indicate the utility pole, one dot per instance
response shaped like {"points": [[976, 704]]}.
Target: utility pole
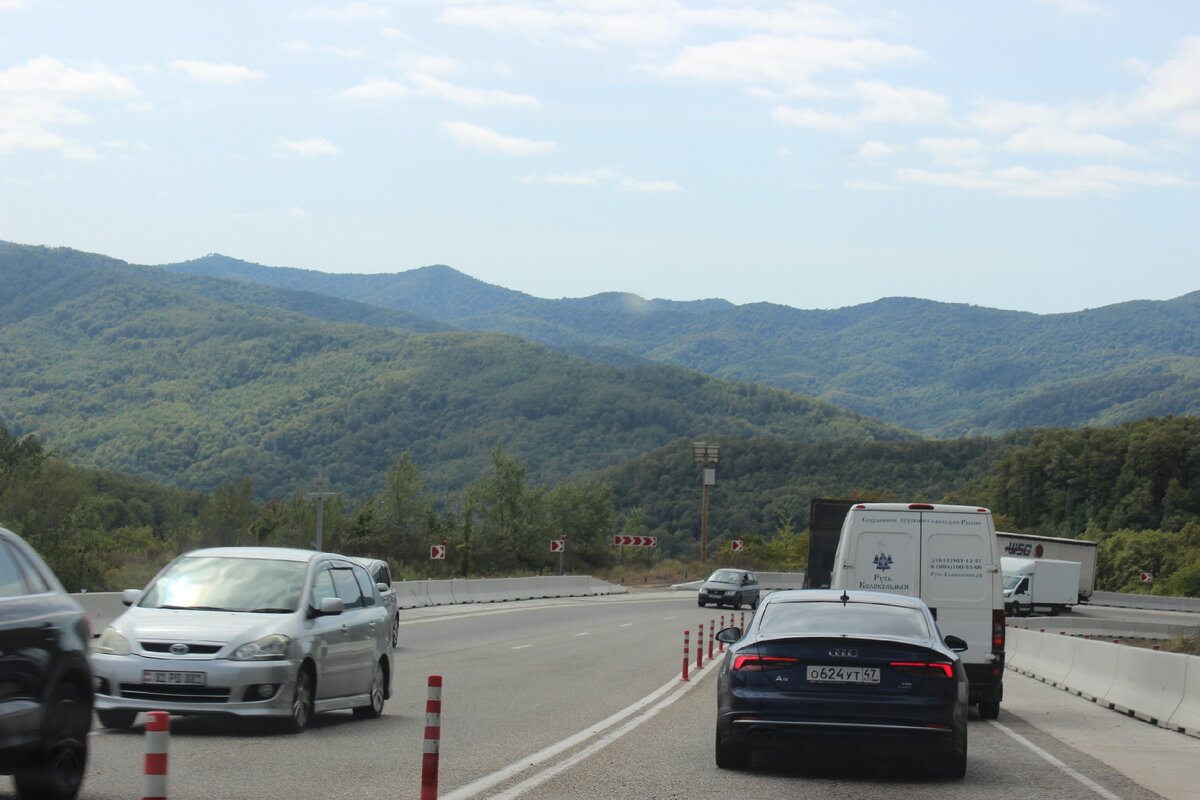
{"points": [[320, 486], [706, 455]]}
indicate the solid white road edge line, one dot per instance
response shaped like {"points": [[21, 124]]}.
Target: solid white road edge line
{"points": [[1079, 776], [545, 754]]}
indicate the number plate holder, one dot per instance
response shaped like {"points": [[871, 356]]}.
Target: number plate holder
{"points": [[162, 677], [816, 673]]}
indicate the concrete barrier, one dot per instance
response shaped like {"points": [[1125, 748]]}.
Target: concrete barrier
{"points": [[441, 593], [1093, 669], [411, 594], [1186, 718], [780, 580], [1148, 684], [1151, 601]]}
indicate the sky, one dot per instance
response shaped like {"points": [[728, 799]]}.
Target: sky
{"points": [[1037, 155]]}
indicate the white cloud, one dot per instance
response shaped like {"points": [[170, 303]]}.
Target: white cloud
{"points": [[954, 152], [296, 212], [605, 177], [814, 119], [869, 186], [13, 5], [1080, 7], [1061, 142], [215, 74], [422, 85], [467, 135], [902, 105], [45, 94], [351, 12], [875, 150], [302, 47], [1173, 88], [304, 148], [1024, 181]]}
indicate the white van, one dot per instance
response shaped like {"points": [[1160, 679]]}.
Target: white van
{"points": [[947, 556]]}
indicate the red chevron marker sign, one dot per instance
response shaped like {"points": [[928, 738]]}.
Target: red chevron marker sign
{"points": [[635, 541], [558, 546], [437, 551]]}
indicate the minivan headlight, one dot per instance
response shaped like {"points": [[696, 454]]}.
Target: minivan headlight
{"points": [[267, 648], [112, 643]]}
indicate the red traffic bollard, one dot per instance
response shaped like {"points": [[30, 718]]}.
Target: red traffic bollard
{"points": [[158, 739], [712, 623], [433, 738], [721, 645], [700, 646], [686, 654]]}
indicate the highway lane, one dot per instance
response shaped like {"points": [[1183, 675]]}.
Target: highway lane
{"points": [[524, 677]]}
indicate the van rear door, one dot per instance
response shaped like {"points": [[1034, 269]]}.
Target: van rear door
{"points": [[958, 587], [886, 551]]}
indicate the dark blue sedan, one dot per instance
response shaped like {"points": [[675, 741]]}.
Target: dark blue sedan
{"points": [[843, 669]]}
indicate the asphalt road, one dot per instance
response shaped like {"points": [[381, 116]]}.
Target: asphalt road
{"points": [[573, 699]]}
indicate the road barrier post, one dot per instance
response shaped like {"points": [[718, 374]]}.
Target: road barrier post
{"points": [[687, 653], [712, 623], [158, 739], [433, 737], [721, 645], [700, 646]]}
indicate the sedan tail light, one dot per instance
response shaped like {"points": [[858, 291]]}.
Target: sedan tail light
{"points": [[763, 663], [934, 669]]}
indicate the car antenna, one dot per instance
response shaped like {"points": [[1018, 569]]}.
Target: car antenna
{"points": [[845, 598]]}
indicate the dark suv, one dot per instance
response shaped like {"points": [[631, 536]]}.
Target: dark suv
{"points": [[45, 681]]}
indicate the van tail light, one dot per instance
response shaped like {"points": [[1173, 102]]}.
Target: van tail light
{"points": [[934, 669], [762, 663], [998, 630]]}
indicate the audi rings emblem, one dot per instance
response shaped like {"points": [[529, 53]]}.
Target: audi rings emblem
{"points": [[843, 652], [179, 649]]}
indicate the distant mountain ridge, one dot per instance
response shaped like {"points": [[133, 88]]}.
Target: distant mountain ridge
{"points": [[944, 369], [194, 381]]}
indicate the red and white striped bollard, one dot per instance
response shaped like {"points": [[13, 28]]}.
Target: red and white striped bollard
{"points": [[700, 646], [721, 645], [158, 739], [433, 738], [687, 652], [712, 623]]}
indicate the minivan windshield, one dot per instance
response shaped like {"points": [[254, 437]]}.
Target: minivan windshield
{"points": [[726, 576], [850, 619], [228, 583]]}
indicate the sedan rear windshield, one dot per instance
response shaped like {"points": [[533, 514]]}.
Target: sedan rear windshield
{"points": [[851, 619], [208, 583]]}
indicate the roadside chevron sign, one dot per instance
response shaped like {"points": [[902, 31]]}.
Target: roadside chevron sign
{"points": [[635, 541]]}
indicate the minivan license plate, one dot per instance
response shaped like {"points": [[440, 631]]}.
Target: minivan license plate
{"points": [[818, 674], [163, 677]]}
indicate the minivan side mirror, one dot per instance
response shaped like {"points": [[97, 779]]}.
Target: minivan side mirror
{"points": [[131, 596], [330, 607], [954, 643]]}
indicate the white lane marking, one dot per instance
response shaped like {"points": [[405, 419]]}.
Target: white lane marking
{"points": [[585, 633], [627, 625], [521, 646], [547, 753], [1076, 774], [665, 618], [517, 606]]}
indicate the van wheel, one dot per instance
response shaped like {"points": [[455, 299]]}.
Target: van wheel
{"points": [[989, 709]]}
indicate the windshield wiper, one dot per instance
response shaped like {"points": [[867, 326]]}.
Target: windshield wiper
{"points": [[196, 608], [270, 611]]}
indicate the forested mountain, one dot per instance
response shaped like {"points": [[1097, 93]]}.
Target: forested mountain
{"points": [[944, 369], [193, 383]]}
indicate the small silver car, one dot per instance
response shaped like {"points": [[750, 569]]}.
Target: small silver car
{"points": [[730, 587], [248, 631], [381, 573]]}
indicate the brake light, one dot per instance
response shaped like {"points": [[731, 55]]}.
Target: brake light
{"points": [[998, 630], [762, 663], [920, 507], [938, 669]]}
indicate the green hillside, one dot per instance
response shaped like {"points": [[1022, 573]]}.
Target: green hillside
{"points": [[192, 384], [940, 368]]}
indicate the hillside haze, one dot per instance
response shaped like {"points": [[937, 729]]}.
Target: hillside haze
{"points": [[943, 369], [196, 381]]}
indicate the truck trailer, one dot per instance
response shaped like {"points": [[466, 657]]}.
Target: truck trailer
{"points": [[1023, 545]]}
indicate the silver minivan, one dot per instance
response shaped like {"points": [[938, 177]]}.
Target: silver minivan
{"points": [[248, 631]]}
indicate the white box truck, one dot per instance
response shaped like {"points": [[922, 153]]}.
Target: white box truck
{"points": [[1026, 545], [1039, 584], [947, 556]]}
